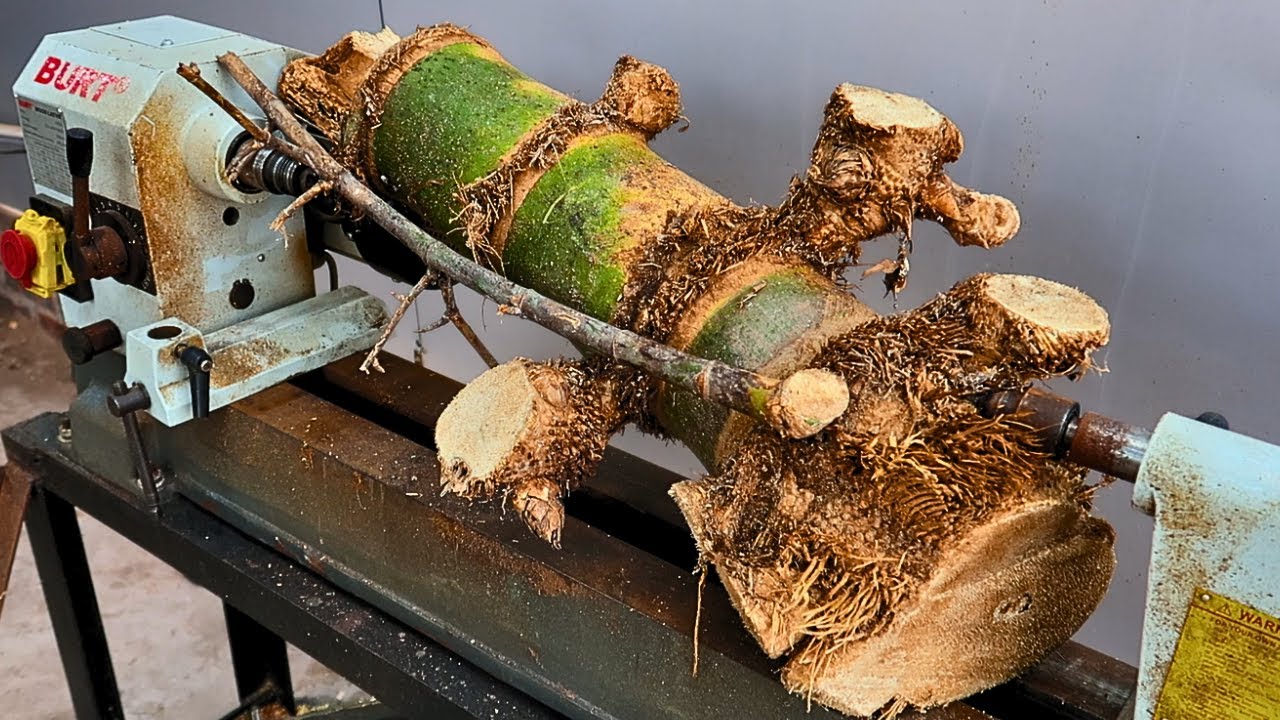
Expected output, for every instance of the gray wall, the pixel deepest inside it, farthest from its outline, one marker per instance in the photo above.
(1137, 138)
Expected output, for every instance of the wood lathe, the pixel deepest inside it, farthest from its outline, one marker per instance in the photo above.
(896, 516)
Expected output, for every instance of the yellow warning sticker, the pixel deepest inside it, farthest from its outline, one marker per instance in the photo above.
(1226, 665)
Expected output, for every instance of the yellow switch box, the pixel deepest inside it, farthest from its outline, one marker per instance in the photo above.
(33, 254)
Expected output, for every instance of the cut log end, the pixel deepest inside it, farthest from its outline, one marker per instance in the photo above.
(1043, 304)
(806, 402)
(1032, 320)
(882, 110)
(328, 85)
(480, 432)
(1012, 590)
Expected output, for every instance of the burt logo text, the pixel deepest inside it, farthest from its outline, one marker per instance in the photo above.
(79, 80)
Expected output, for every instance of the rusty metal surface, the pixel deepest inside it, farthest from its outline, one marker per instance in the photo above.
(572, 628)
(1092, 440)
(1073, 682)
(417, 677)
(15, 491)
(1108, 446)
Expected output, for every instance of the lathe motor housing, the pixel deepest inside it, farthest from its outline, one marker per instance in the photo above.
(203, 269)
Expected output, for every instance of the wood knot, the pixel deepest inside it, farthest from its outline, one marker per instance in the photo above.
(643, 95)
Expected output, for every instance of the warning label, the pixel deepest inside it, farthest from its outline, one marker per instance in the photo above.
(1226, 665)
(44, 132)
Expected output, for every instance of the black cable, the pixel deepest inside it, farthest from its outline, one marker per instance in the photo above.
(333, 270)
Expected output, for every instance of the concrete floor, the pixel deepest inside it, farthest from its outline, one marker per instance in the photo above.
(166, 635)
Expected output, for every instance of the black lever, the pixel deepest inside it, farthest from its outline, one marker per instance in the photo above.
(80, 163)
(94, 252)
(124, 402)
(199, 365)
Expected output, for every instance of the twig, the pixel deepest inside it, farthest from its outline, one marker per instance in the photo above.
(453, 315)
(371, 360)
(697, 614)
(191, 73)
(782, 404)
(241, 161)
(307, 196)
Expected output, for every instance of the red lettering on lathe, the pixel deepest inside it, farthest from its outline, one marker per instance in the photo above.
(45, 74)
(82, 80)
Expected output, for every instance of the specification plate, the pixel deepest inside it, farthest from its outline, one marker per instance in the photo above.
(1227, 664)
(44, 132)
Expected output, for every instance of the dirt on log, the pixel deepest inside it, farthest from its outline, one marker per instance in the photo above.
(913, 551)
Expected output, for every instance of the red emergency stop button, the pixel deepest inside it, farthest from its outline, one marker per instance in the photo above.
(19, 256)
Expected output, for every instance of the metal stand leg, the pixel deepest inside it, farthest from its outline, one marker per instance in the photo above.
(259, 658)
(55, 539)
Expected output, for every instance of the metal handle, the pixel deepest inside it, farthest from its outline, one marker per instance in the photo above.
(199, 365)
(80, 164)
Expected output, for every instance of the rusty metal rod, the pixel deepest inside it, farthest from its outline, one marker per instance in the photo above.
(1095, 441)
(1109, 446)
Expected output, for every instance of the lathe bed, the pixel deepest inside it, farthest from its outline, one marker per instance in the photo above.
(425, 602)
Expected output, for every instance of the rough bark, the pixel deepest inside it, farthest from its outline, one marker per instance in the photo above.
(917, 552)
(912, 552)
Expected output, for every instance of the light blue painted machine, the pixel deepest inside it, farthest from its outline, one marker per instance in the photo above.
(168, 255)
(1215, 556)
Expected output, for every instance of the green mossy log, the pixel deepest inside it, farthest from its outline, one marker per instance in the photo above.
(911, 553)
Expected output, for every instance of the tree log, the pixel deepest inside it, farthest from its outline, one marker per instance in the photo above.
(912, 552)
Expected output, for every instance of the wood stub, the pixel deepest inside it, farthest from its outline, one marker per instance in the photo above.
(877, 165)
(1030, 319)
(327, 87)
(528, 433)
(971, 217)
(484, 425)
(806, 402)
(642, 95)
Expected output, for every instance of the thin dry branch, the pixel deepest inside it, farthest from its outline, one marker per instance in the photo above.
(307, 196)
(454, 315)
(406, 301)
